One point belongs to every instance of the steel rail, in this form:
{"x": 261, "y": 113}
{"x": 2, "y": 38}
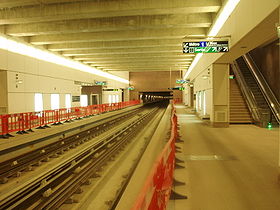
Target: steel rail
{"x": 53, "y": 179}
{"x": 15, "y": 165}
{"x": 80, "y": 178}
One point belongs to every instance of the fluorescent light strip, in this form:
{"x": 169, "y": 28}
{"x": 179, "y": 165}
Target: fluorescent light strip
{"x": 18, "y": 47}
{"x": 216, "y": 27}
{"x": 195, "y": 60}
{"x": 223, "y": 16}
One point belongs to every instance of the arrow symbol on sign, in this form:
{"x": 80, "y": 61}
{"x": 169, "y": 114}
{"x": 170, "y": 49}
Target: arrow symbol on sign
{"x": 225, "y": 49}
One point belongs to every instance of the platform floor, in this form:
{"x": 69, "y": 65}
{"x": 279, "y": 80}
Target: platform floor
{"x": 233, "y": 168}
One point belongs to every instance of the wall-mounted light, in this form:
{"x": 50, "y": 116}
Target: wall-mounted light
{"x": 278, "y": 30}
{"x": 205, "y": 76}
{"x": 20, "y": 81}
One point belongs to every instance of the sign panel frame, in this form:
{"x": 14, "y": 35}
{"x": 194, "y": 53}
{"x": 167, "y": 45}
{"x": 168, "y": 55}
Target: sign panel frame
{"x": 206, "y": 46}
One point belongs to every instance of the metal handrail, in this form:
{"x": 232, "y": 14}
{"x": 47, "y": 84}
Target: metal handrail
{"x": 266, "y": 90}
{"x": 249, "y": 96}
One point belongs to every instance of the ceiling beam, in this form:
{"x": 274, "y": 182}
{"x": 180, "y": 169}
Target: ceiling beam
{"x": 163, "y": 68}
{"x": 21, "y": 3}
{"x": 116, "y": 36}
{"x": 101, "y": 9}
{"x": 172, "y": 68}
{"x": 123, "y": 51}
{"x": 145, "y": 65}
{"x": 115, "y": 44}
{"x": 136, "y": 55}
{"x": 202, "y": 20}
{"x": 136, "y": 60}
{"x": 151, "y": 63}
{"x": 142, "y": 70}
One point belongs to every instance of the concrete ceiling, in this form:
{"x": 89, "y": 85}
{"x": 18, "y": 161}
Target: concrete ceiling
{"x": 112, "y": 35}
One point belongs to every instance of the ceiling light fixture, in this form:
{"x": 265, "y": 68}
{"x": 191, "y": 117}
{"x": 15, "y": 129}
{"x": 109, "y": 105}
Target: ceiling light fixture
{"x": 19, "y": 47}
{"x": 222, "y": 16}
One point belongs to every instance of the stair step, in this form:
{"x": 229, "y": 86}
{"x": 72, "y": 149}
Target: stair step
{"x": 241, "y": 109}
{"x": 238, "y": 111}
{"x": 236, "y": 99}
{"x": 232, "y": 98}
{"x": 240, "y": 119}
{"x": 242, "y": 115}
{"x": 241, "y": 122}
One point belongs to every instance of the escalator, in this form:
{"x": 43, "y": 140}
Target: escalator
{"x": 261, "y": 101}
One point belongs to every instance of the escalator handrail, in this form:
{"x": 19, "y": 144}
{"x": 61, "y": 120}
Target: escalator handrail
{"x": 266, "y": 90}
{"x": 249, "y": 96}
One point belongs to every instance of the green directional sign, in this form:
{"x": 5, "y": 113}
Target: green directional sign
{"x": 206, "y": 47}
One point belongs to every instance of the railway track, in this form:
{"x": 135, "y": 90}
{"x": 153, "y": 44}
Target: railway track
{"x": 56, "y": 186}
{"x": 26, "y": 162}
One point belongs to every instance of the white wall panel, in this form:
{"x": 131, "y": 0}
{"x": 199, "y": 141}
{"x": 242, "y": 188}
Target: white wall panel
{"x": 16, "y": 102}
{"x": 31, "y": 83}
{"x": 62, "y": 100}
{"x": 3, "y": 59}
{"x": 47, "y": 101}
{"x": 36, "y": 76}
{"x": 13, "y": 81}
{"x": 105, "y": 95}
{"x": 31, "y": 65}
{"x": 15, "y": 62}
{"x": 29, "y": 102}
{"x": 45, "y": 68}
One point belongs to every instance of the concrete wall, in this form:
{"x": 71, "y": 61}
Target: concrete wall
{"x": 89, "y": 90}
{"x": 3, "y": 92}
{"x": 267, "y": 59}
{"x": 203, "y": 85}
{"x": 107, "y": 94}
{"x": 27, "y": 76}
{"x": 155, "y": 81}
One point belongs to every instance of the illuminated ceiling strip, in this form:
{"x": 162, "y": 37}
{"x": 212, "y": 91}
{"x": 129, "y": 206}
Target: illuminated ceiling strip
{"x": 216, "y": 27}
{"x": 15, "y": 46}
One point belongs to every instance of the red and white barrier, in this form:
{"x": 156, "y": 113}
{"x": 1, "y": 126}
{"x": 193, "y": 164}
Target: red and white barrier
{"x": 157, "y": 188}
{"x": 28, "y": 120}
{"x": 177, "y": 101}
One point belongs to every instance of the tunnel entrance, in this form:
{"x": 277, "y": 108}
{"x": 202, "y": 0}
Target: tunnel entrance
{"x": 155, "y": 96}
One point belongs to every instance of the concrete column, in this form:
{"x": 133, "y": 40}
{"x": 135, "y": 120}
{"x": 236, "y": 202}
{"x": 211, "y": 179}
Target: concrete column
{"x": 126, "y": 94}
{"x": 177, "y": 94}
{"x": 133, "y": 95}
{"x": 220, "y": 95}
{"x": 3, "y": 92}
{"x": 186, "y": 93}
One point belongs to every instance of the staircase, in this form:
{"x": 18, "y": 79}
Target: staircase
{"x": 239, "y": 112}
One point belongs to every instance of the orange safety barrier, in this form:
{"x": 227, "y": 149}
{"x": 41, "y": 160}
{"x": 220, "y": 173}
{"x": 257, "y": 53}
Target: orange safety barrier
{"x": 177, "y": 101}
{"x": 157, "y": 188}
{"x": 21, "y": 122}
